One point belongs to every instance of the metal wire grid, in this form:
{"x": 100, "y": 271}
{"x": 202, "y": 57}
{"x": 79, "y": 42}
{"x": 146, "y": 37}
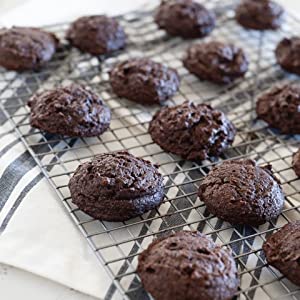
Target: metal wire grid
{"x": 117, "y": 245}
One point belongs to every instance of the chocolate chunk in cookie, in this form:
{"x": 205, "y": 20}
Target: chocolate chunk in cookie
{"x": 185, "y": 18}
{"x": 280, "y": 108}
{"x": 26, "y": 48}
{"x": 241, "y": 192}
{"x": 192, "y": 131}
{"x": 216, "y": 62}
{"x": 288, "y": 54}
{"x": 282, "y": 250}
{"x": 143, "y": 80}
{"x": 71, "y": 111}
{"x": 116, "y": 186}
{"x": 259, "y": 15}
{"x": 296, "y": 163}
{"x": 97, "y": 35}
{"x": 188, "y": 266}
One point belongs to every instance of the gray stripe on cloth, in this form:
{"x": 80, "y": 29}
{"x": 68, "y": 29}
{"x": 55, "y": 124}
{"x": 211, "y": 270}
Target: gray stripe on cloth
{"x": 8, "y": 147}
{"x": 3, "y": 118}
{"x": 9, "y": 179}
{"x": 12, "y": 175}
{"x": 6, "y": 133}
{"x": 18, "y": 201}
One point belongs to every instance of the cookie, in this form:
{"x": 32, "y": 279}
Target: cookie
{"x": 188, "y": 266}
{"x": 144, "y": 81}
{"x": 280, "y": 108}
{"x": 116, "y": 186}
{"x": 259, "y": 15}
{"x": 282, "y": 250}
{"x": 241, "y": 192}
{"x": 72, "y": 111}
{"x": 192, "y": 131}
{"x": 288, "y": 54}
{"x": 185, "y": 18}
{"x": 216, "y": 62}
{"x": 296, "y": 163}
{"x": 96, "y": 35}
{"x": 26, "y": 48}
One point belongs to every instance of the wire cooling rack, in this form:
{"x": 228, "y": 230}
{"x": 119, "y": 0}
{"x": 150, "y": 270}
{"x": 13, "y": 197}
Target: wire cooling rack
{"x": 117, "y": 245}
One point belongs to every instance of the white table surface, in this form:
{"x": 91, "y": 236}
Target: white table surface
{"x": 16, "y": 284}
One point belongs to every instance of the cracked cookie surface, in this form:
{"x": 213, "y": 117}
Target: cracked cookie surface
{"x": 288, "y": 54}
{"x": 282, "y": 250}
{"x": 144, "y": 81}
{"x": 241, "y": 192}
{"x": 97, "y": 35}
{"x": 185, "y": 18}
{"x": 296, "y": 163}
{"x": 26, "y": 48}
{"x": 280, "y": 108}
{"x": 217, "y": 62}
{"x": 192, "y": 131}
{"x": 259, "y": 15}
{"x": 188, "y": 266}
{"x": 72, "y": 111}
{"x": 116, "y": 186}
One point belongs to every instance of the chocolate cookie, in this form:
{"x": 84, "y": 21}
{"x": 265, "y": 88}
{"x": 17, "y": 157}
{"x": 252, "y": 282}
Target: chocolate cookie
{"x": 116, "y": 186}
{"x": 185, "y": 18}
{"x": 240, "y": 192}
{"x": 259, "y": 15}
{"x": 217, "y": 62}
{"x": 288, "y": 54}
{"x": 188, "y": 266}
{"x": 192, "y": 131}
{"x": 296, "y": 163}
{"x": 282, "y": 250}
{"x": 26, "y": 48}
{"x": 143, "y": 80}
{"x": 97, "y": 35}
{"x": 280, "y": 108}
{"x": 72, "y": 111}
